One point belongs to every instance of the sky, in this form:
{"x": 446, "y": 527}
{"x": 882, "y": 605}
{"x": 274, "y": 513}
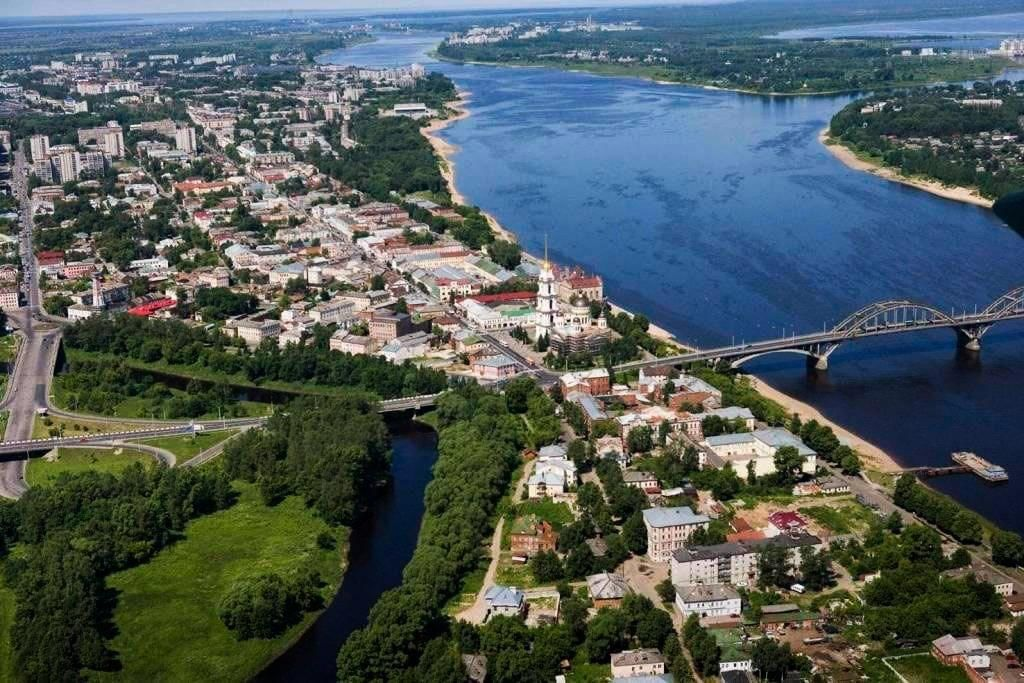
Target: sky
{"x": 16, "y": 8}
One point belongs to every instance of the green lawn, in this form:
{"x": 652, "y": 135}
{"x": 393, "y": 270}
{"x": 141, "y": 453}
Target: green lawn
{"x": 557, "y": 514}
{"x": 926, "y": 669}
{"x": 8, "y": 348}
{"x": 166, "y": 615}
{"x": 72, "y": 427}
{"x": 844, "y": 519}
{"x": 471, "y": 585}
{"x": 139, "y": 407}
{"x": 6, "y": 620}
{"x": 185, "y": 447}
{"x": 588, "y": 673}
{"x": 41, "y": 472}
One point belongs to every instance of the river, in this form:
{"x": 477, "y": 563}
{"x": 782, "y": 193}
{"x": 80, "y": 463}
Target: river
{"x": 382, "y": 542}
{"x": 720, "y": 216}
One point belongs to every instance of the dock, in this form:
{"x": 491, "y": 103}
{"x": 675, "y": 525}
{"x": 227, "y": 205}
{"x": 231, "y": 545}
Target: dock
{"x": 966, "y": 463}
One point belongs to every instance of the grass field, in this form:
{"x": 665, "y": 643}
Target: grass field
{"x": 924, "y": 668}
{"x": 6, "y": 620}
{"x": 138, "y": 407}
{"x": 840, "y": 519}
{"x": 41, "y": 472}
{"x": 166, "y": 615}
{"x": 41, "y": 430}
{"x": 185, "y": 447}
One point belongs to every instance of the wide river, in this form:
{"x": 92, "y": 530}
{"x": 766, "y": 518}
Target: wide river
{"x": 721, "y": 217}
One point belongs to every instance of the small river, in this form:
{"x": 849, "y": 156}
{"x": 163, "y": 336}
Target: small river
{"x": 721, "y": 216}
{"x": 381, "y": 545}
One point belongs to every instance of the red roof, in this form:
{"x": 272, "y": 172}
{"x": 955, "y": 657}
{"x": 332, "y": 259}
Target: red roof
{"x": 786, "y": 520}
{"x": 47, "y": 257}
{"x": 503, "y": 298}
{"x": 149, "y": 308}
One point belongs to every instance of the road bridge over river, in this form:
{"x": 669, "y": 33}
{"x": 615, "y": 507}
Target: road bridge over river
{"x": 879, "y": 319}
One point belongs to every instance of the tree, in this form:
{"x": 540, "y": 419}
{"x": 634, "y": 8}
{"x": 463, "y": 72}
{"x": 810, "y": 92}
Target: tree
{"x": 653, "y": 628}
{"x": 666, "y": 591}
{"x": 546, "y": 567}
{"x": 259, "y": 607}
{"x": 1017, "y": 638}
{"x": 634, "y": 533}
{"x": 774, "y": 661}
{"x": 506, "y": 254}
{"x": 639, "y": 439}
{"x": 580, "y": 561}
{"x": 773, "y": 566}
{"x": 788, "y": 463}
{"x": 1007, "y": 548}
{"x": 605, "y": 635}
{"x": 815, "y": 569}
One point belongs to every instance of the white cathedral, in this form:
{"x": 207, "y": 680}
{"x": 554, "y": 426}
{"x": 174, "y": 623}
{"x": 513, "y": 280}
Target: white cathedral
{"x": 566, "y": 321}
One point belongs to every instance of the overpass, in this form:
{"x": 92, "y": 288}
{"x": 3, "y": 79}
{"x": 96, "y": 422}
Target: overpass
{"x": 396, "y": 405}
{"x": 876, "y": 320}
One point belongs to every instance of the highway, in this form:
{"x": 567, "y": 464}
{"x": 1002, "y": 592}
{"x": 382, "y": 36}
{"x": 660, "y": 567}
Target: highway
{"x": 29, "y": 384}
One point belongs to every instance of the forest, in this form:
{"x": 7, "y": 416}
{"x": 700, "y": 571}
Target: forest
{"x": 211, "y": 355}
{"x": 930, "y": 132}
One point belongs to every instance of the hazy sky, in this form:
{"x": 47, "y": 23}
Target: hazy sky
{"x": 15, "y": 8}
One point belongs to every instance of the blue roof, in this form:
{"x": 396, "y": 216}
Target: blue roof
{"x": 504, "y": 596}
{"x": 662, "y": 517}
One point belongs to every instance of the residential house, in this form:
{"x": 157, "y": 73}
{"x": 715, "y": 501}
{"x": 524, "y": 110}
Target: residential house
{"x": 714, "y": 600}
{"x": 607, "y": 590}
{"x": 530, "y": 536}
{"x": 596, "y": 382}
{"x": 967, "y": 653}
{"x": 642, "y": 662}
{"x": 505, "y": 600}
{"x": 406, "y": 347}
{"x": 734, "y": 563}
{"x": 9, "y": 299}
{"x": 494, "y": 368}
{"x": 553, "y": 474}
{"x": 254, "y": 330}
{"x": 346, "y": 342}
{"x": 645, "y": 481}
{"x": 669, "y": 528}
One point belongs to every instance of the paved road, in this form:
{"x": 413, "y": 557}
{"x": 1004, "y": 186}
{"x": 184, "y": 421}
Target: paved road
{"x": 28, "y": 385}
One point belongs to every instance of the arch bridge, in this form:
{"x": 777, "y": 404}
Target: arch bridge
{"x": 875, "y": 320}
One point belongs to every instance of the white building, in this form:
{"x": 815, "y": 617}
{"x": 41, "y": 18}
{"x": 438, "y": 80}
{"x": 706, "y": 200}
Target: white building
{"x": 669, "y": 528}
{"x": 39, "y": 146}
{"x": 712, "y": 600}
{"x": 505, "y": 600}
{"x": 759, "y": 447}
{"x": 253, "y": 331}
{"x": 185, "y": 139}
{"x": 9, "y": 300}
{"x": 333, "y": 313}
{"x": 553, "y": 473}
{"x": 643, "y": 662}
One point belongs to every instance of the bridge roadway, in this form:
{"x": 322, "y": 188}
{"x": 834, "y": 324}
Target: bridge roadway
{"x": 878, "y": 319}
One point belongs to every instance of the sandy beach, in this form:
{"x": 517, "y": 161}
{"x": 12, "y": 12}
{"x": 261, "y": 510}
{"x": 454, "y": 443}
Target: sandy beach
{"x": 957, "y": 194}
{"x": 447, "y": 151}
{"x": 873, "y": 457}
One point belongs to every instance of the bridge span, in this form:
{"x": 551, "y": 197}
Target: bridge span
{"x": 878, "y": 319}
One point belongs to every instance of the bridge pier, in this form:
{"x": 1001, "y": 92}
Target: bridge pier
{"x": 969, "y": 338}
{"x": 817, "y": 363}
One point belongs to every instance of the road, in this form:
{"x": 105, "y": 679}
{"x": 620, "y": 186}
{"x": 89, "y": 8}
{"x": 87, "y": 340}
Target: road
{"x": 29, "y": 384}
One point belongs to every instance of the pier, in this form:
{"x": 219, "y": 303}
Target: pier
{"x": 967, "y": 463}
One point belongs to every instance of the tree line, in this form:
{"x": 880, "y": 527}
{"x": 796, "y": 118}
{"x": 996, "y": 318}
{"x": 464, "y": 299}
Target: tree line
{"x": 478, "y": 449}
{"x": 312, "y": 362}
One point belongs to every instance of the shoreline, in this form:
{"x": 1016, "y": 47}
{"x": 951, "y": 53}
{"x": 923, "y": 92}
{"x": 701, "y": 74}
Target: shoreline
{"x": 873, "y": 457}
{"x": 965, "y": 195}
{"x": 581, "y": 69}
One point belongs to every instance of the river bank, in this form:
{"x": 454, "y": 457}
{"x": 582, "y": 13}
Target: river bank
{"x": 850, "y": 159}
{"x": 874, "y": 457}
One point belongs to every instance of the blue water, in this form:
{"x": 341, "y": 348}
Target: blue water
{"x": 721, "y": 217}
{"x": 984, "y": 31}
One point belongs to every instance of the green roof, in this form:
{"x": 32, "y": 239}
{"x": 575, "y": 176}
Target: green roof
{"x": 783, "y": 617}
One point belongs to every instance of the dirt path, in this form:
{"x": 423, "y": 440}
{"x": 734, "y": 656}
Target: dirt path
{"x": 476, "y": 612}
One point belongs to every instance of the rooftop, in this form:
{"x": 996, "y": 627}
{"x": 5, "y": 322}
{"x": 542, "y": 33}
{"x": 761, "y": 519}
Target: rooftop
{"x": 666, "y": 517}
